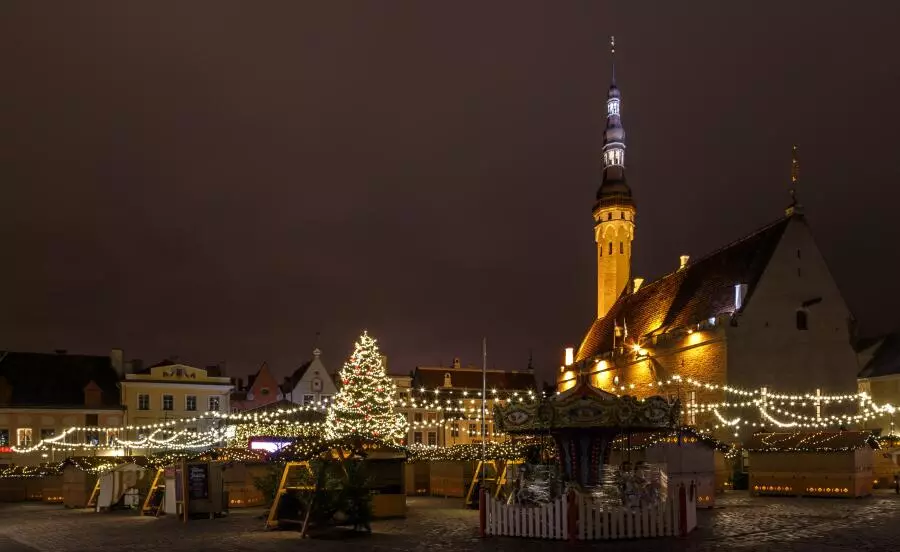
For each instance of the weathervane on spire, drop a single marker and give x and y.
(794, 207)
(612, 51)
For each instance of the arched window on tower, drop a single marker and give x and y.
(802, 320)
(610, 248)
(621, 247)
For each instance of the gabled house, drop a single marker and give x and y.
(310, 383)
(880, 377)
(262, 390)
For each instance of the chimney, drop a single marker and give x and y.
(740, 293)
(570, 356)
(117, 359)
(684, 261)
(455, 363)
(638, 282)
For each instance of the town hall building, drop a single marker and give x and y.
(761, 312)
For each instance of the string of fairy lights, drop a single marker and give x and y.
(454, 410)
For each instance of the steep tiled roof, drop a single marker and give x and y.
(701, 290)
(886, 360)
(465, 378)
(810, 441)
(291, 381)
(58, 380)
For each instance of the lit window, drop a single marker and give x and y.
(472, 430)
(214, 403)
(23, 437)
(168, 402)
(802, 320)
(143, 402)
(4, 437)
(190, 403)
(612, 107)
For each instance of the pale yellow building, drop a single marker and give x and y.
(171, 391)
(880, 378)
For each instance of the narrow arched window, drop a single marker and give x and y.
(610, 248)
(621, 247)
(802, 320)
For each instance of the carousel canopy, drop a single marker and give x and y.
(586, 407)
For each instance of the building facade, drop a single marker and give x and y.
(443, 403)
(762, 312)
(262, 390)
(171, 391)
(43, 395)
(880, 378)
(311, 383)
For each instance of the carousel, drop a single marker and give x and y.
(582, 496)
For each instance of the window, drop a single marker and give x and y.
(23, 437)
(47, 433)
(454, 429)
(608, 216)
(432, 417)
(432, 438)
(417, 437)
(214, 403)
(472, 430)
(622, 215)
(168, 402)
(143, 402)
(190, 403)
(264, 391)
(802, 320)
(309, 399)
(621, 247)
(324, 398)
(610, 248)
(417, 417)
(4, 437)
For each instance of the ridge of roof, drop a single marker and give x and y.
(690, 294)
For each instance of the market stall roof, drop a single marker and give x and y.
(811, 441)
(586, 407)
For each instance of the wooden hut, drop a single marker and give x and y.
(812, 463)
(125, 484)
(685, 455)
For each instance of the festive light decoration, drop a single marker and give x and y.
(511, 450)
(364, 407)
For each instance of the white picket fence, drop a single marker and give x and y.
(547, 521)
(676, 516)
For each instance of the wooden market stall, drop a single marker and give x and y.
(812, 463)
(123, 485)
(685, 455)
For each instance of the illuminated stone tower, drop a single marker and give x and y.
(614, 210)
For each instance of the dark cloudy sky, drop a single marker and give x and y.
(221, 180)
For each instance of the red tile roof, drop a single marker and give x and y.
(432, 377)
(703, 289)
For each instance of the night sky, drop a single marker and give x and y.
(221, 181)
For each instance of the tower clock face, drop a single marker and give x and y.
(317, 384)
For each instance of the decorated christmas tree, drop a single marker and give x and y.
(364, 407)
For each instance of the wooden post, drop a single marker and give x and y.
(572, 515)
(482, 511)
(185, 500)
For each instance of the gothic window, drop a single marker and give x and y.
(802, 320)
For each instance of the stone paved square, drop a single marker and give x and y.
(738, 522)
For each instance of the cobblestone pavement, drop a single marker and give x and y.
(738, 522)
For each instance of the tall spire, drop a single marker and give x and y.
(613, 186)
(795, 206)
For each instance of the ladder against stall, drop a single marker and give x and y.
(153, 504)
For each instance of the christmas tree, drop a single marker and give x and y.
(364, 407)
